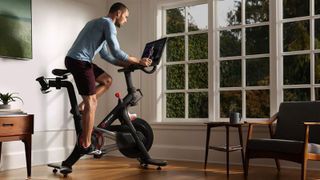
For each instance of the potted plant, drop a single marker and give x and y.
(6, 98)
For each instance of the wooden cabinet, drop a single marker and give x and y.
(15, 128)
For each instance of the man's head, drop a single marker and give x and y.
(120, 13)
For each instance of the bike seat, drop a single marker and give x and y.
(60, 72)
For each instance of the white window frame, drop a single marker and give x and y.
(161, 112)
(311, 52)
(242, 26)
(275, 55)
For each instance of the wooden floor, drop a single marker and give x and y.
(118, 168)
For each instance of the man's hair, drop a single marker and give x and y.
(117, 6)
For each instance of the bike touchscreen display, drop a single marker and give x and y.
(153, 50)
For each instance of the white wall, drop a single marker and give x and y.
(55, 24)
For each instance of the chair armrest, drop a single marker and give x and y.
(267, 122)
(307, 124)
(254, 122)
(311, 123)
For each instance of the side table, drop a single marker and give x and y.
(18, 127)
(227, 148)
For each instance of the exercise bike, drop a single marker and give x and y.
(133, 138)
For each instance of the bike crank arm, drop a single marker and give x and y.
(108, 148)
(108, 134)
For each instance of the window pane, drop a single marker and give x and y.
(175, 49)
(258, 104)
(296, 94)
(317, 8)
(257, 40)
(230, 43)
(317, 68)
(198, 105)
(230, 101)
(175, 20)
(198, 46)
(317, 34)
(230, 73)
(295, 8)
(257, 72)
(296, 36)
(229, 13)
(257, 11)
(296, 69)
(175, 105)
(175, 77)
(198, 76)
(197, 17)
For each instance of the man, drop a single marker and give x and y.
(98, 36)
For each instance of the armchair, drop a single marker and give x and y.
(296, 137)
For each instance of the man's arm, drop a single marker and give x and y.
(143, 61)
(130, 60)
(134, 60)
(110, 34)
(117, 53)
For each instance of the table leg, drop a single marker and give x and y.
(227, 148)
(241, 143)
(27, 145)
(207, 146)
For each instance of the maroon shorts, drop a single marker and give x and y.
(84, 74)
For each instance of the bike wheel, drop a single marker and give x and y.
(144, 132)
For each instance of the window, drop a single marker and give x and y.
(300, 50)
(186, 64)
(243, 58)
(236, 55)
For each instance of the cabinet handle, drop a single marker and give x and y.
(5, 125)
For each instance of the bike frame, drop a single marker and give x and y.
(119, 112)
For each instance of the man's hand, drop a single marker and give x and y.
(145, 62)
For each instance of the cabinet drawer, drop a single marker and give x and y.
(16, 125)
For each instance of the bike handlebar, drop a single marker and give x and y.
(44, 84)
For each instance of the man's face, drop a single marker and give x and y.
(122, 18)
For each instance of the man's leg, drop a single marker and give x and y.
(105, 81)
(88, 116)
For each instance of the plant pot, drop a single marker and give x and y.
(5, 106)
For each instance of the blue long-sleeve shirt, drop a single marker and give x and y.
(98, 36)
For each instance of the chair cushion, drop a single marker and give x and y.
(281, 146)
(276, 145)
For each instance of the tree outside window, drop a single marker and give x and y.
(187, 62)
(243, 57)
(249, 84)
(298, 52)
